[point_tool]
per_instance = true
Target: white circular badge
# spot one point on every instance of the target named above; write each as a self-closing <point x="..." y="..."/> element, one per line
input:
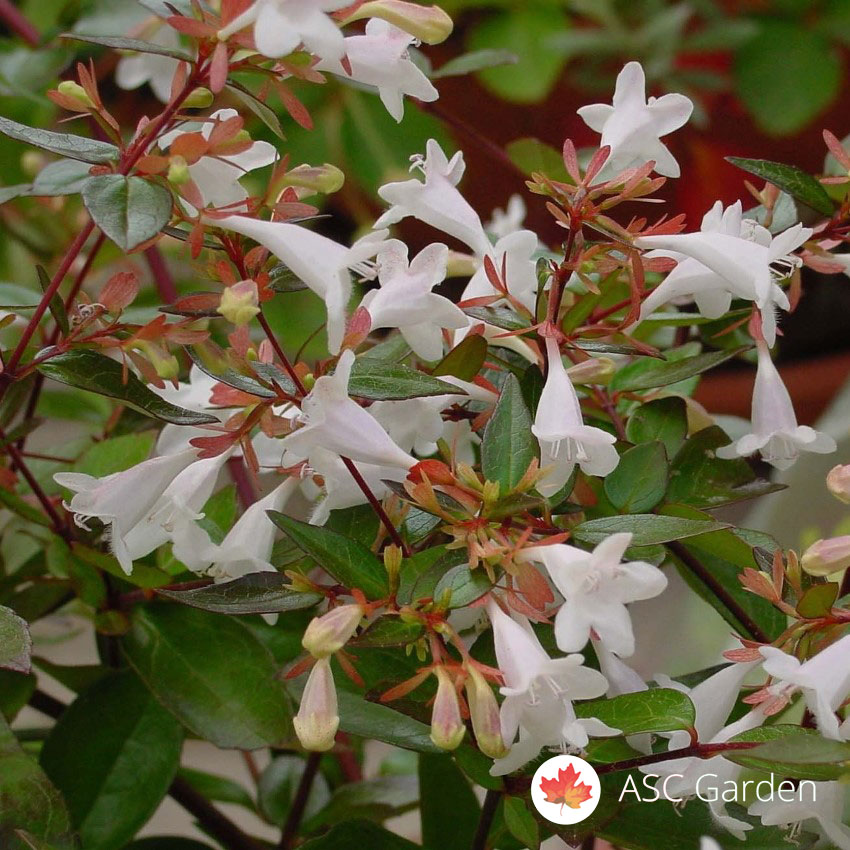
<point x="565" y="789"/>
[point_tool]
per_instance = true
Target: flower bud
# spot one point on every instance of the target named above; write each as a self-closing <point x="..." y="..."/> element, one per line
<point x="447" y="729"/>
<point x="484" y="713"/>
<point x="75" y="91"/>
<point x="240" y="302"/>
<point x="329" y="633"/>
<point x="393" y="557"/>
<point x="323" y="179"/>
<point x="596" y="370"/>
<point x="200" y="98"/>
<point x="178" y="171"/>
<point x="461" y="265"/>
<point x="317" y="719"/>
<point x="825" y="557"/>
<point x="427" y="23"/>
<point x="838" y="482"/>
<point x="32" y="162"/>
<point x="165" y="364"/>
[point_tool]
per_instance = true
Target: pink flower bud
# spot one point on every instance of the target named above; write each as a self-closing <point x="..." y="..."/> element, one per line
<point x="447" y="729"/>
<point x="329" y="633"/>
<point x="484" y="713"/>
<point x="838" y="482"/>
<point x="825" y="557"/>
<point x="317" y="719"/>
<point x="240" y="302"/>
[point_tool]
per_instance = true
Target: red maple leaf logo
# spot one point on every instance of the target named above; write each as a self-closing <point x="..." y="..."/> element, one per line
<point x="566" y="790"/>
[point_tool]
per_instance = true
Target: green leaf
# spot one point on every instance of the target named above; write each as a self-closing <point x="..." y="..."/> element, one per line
<point x="212" y="360"/>
<point x="211" y="673"/>
<point x="15" y="642"/>
<point x="115" y="454"/>
<point x="218" y="788"/>
<point x="134" y="44"/>
<point x="380" y="381"/>
<point x="648" y="373"/>
<point x="790" y="751"/>
<point x="389" y="631"/>
<point x="64" y="144"/>
<point x="264" y="112"/>
<point x="465" y="360"/>
<point x="255" y="593"/>
<point x="370" y="799"/>
<point x="818" y="600"/>
<point x="167" y="842"/>
<point x="654" y="710"/>
<point x="56" y="305"/>
<point x="464" y="584"/>
<point x="508" y="447"/>
<point x="92" y="371"/>
<point x="19" y="190"/>
<point x="129" y="210"/>
<point x="113" y="754"/>
<point x="639" y="480"/>
<point x="790" y="179"/>
<point x="786" y="76"/>
<point x="22" y="508"/>
<point x="647" y="529"/>
<point x="15" y="692"/>
<point x="64" y="177"/>
<point x="349" y="562"/>
<point x="443" y="788"/>
<point x="664" y="419"/>
<point x="699" y="478"/>
<point x="75" y="677"/>
<point x="476" y="60"/>
<point x="521" y="823"/>
<point x="533" y="156"/>
<point x="358" y="835"/>
<point x="28" y="800"/>
<point x="499" y="317"/>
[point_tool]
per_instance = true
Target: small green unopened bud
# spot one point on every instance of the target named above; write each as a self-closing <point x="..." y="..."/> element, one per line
<point x="165" y="365"/>
<point x="309" y="381"/>
<point x="178" y="171"/>
<point x="200" y="98"/>
<point x="318" y="716"/>
<point x="329" y="633"/>
<point x="825" y="557"/>
<point x="392" y="564"/>
<point x="467" y="475"/>
<point x="32" y="162"/>
<point x="596" y="370"/>
<point x="240" y="302"/>
<point x="484" y="713"/>
<point x="490" y="493"/>
<point x="322" y="179"/>
<point x="427" y="23"/>
<point x="461" y="265"/>
<point x="74" y="90"/>
<point x="447" y="729"/>
<point x="838" y="482"/>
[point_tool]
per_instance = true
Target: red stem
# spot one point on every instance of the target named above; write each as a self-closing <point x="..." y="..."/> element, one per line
<point x="162" y="276"/>
<point x="18" y="23"/>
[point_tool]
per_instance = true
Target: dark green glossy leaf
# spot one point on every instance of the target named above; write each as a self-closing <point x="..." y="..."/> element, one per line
<point x="359" y="835"/>
<point x="498" y="317"/>
<point x="647" y="529"/>
<point x="654" y="710"/>
<point x="521" y="823"/>
<point x="378" y="380"/>
<point x="211" y="673"/>
<point x="790" y="751"/>
<point x="92" y="371"/>
<point x="465" y="360"/>
<point x="389" y="631"/>
<point x="64" y="144"/>
<point x="790" y="179"/>
<point x="15" y="692"/>
<point x="255" y="593"/>
<point x="113" y="754"/>
<point x="122" y="43"/>
<point x="15" y="642"/>
<point x="278" y="785"/>
<point x="444" y="788"/>
<point x="349" y="562"/>
<point x="648" y="373"/>
<point x="56" y="305"/>
<point x="212" y="360"/>
<point x="464" y="585"/>
<point x="664" y="419"/>
<point x="371" y="799"/>
<point x="508" y="447"/>
<point x="476" y="60"/>
<point x="639" y="480"/>
<point x="217" y="788"/>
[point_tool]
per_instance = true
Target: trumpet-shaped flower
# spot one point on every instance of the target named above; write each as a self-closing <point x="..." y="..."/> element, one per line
<point x="776" y="434"/>
<point x="405" y="299"/>
<point x="751" y="262"/>
<point x="322" y="264"/>
<point x="122" y="500"/>
<point x="564" y="438"/>
<point x="484" y="714"/>
<point x="596" y="587"/>
<point x="281" y="25"/>
<point x="447" y="729"/>
<point x="632" y="127"/>
<point x="318" y="716"/>
<point x="334" y="422"/>
<point x="539" y="692"/>
<point x="217" y="177"/>
<point x="136" y="69"/>
<point x="380" y="59"/>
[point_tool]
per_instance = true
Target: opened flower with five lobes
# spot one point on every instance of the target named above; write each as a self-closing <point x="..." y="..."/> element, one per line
<point x="632" y="125"/>
<point x="596" y="587"/>
<point x="776" y="436"/>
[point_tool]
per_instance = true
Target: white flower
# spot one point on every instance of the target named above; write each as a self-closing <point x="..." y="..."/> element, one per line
<point x="632" y="127"/>
<point x="507" y="220"/>
<point x="596" y="587"/>
<point x="322" y="264"/>
<point x="564" y="438"/>
<point x="281" y="25"/>
<point x="751" y="262"/>
<point x="538" y="692"/>
<point x="776" y="435"/>
<point x="318" y="716"/>
<point x="333" y="421"/>
<point x="380" y="59"/>
<point x="405" y="299"/>
<point x="122" y="500"/>
<point x="824" y="680"/>
<point x="436" y="201"/>
<point x="217" y="177"/>
<point x="822" y="802"/>
<point x="192" y="395"/>
<point x="139" y="68"/>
